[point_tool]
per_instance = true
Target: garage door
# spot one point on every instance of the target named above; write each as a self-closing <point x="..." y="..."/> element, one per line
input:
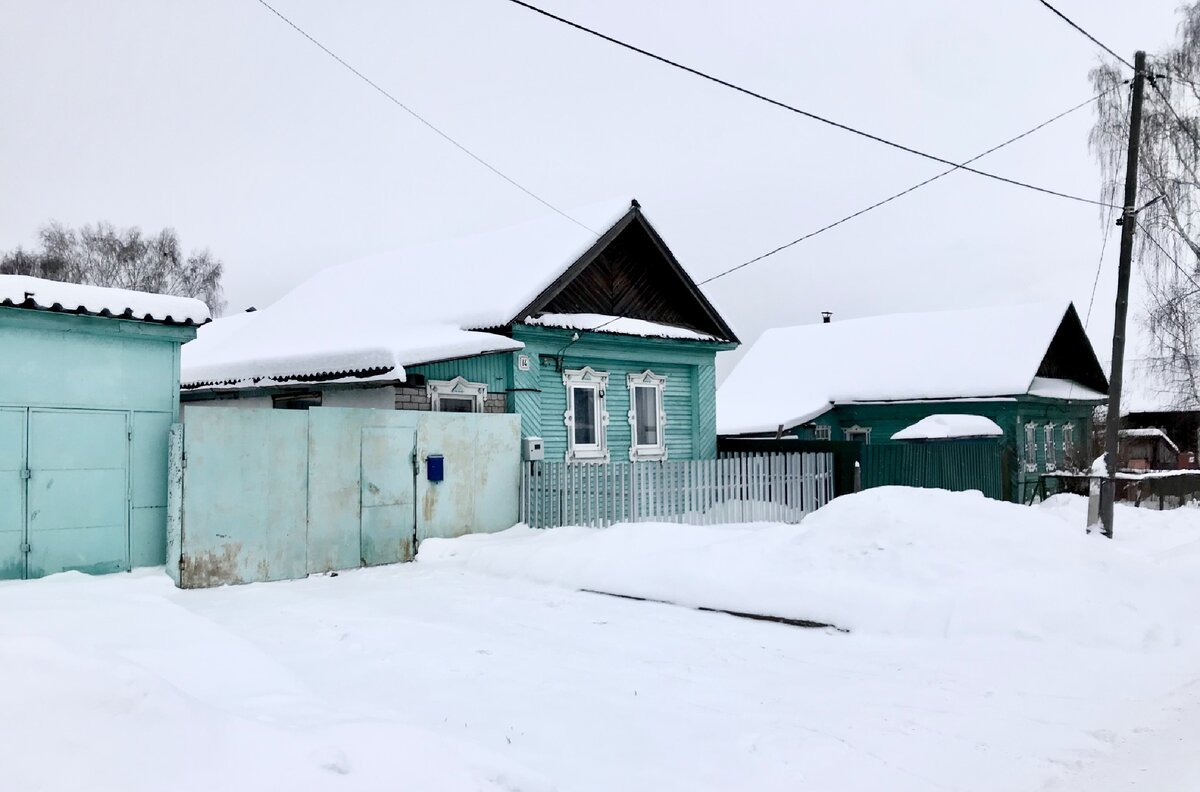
<point x="12" y="494"/>
<point x="78" y="492"/>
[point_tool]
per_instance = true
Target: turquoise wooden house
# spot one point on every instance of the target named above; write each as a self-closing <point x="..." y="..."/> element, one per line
<point x="1028" y="369"/>
<point x="591" y="331"/>
<point x="89" y="390"/>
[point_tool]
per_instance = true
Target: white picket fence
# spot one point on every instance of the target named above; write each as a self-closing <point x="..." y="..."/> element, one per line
<point x="735" y="488"/>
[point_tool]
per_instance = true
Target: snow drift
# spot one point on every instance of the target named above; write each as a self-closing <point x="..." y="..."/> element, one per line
<point x="891" y="560"/>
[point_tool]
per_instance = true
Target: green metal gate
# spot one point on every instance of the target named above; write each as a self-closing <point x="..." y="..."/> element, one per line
<point x="64" y="492"/>
<point x="388" y="519"/>
<point x="12" y="494"/>
<point x="77" y="492"/>
<point x="950" y="465"/>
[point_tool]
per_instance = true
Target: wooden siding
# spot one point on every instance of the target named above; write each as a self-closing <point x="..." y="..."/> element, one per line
<point x="491" y="370"/>
<point x="689" y="396"/>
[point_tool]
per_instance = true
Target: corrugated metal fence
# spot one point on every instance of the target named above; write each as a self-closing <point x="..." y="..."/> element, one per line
<point x="737" y="487"/>
<point x="952" y="466"/>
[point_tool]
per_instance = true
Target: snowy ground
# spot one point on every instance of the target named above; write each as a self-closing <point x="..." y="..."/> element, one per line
<point x="978" y="659"/>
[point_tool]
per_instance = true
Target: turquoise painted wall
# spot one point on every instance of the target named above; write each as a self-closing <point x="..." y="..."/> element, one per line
<point x="538" y="396"/>
<point x="689" y="396"/>
<point x="492" y="370"/>
<point x="276" y="494"/>
<point x="87" y="375"/>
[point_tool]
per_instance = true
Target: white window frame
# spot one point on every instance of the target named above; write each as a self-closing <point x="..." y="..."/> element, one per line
<point x="1030" y="447"/>
<point x="586" y="377"/>
<point x="1068" y="442"/>
<point x="459" y="388"/>
<point x="822" y="432"/>
<point x="656" y="451"/>
<point x="1048" y="444"/>
<point x="849" y="432"/>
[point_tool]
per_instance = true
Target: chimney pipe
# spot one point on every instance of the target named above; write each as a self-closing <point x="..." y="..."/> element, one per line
<point x="826" y="317"/>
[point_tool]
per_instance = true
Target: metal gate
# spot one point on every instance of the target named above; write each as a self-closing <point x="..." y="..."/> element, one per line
<point x="260" y="495"/>
<point x="64" y="492"/>
<point x="388" y="520"/>
<point x="12" y="494"/>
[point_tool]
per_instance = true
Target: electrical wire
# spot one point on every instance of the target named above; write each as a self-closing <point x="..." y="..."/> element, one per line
<point x="904" y="192"/>
<point x="1089" y="36"/>
<point x="1096" y="281"/>
<point x="792" y="108"/>
<point x="429" y="124"/>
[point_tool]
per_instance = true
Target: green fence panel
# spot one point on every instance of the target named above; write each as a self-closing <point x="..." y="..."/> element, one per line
<point x="956" y="466"/>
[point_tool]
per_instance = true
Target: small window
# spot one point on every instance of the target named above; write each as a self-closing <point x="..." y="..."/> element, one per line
<point x="586" y="416"/>
<point x="457" y="395"/>
<point x="1051" y="451"/>
<point x="1068" y="442"/>
<point x="822" y="432"/>
<point x="860" y="434"/>
<point x="1031" y="448"/>
<point x="583" y="403"/>
<point x="296" y="401"/>
<point x="647" y="416"/>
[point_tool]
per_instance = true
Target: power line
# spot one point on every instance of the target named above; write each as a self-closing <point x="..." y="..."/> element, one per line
<point x="797" y="110"/>
<point x="1089" y="36"/>
<point x="902" y="193"/>
<point x="429" y="124"/>
<point x="1096" y="281"/>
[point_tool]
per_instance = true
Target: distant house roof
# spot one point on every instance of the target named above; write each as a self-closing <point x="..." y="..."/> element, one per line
<point x="950" y="426"/>
<point x="793" y="374"/>
<point x="436" y="302"/>
<point x="23" y="291"/>
<point x="1150" y="433"/>
<point x="1145" y="390"/>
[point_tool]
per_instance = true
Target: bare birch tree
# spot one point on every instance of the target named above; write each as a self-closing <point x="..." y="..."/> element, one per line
<point x="125" y="258"/>
<point x="1167" y="243"/>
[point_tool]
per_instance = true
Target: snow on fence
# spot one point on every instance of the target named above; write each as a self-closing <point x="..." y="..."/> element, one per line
<point x="737" y="487"/>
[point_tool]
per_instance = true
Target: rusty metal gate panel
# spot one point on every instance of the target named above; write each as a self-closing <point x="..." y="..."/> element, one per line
<point x="388" y="519"/>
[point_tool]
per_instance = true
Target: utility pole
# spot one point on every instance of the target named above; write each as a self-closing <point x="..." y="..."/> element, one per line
<point x="1128" y="221"/>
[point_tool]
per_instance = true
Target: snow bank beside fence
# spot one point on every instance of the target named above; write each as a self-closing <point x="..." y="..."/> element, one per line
<point x="891" y="560"/>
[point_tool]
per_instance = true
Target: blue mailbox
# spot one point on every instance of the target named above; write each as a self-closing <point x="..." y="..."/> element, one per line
<point x="434" y="467"/>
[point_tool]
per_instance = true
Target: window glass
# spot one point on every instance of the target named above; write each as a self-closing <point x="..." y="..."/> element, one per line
<point x="583" y="402"/>
<point x="456" y="404"/>
<point x="296" y="401"/>
<point x="646" y="409"/>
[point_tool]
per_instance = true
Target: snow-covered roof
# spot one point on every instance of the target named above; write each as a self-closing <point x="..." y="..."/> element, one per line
<point x="417" y="305"/>
<point x="23" y="291"/>
<point x="253" y="346"/>
<point x="950" y="426"/>
<point x="617" y="324"/>
<point x="1150" y="433"/>
<point x="790" y="375"/>
<point x="1054" y="388"/>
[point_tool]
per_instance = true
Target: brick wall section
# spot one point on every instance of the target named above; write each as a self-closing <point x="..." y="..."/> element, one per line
<point x="412" y="399"/>
<point x="418" y="399"/>
<point x="495" y="403"/>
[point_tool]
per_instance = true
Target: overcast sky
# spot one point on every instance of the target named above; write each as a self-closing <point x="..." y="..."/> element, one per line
<point x="215" y="118"/>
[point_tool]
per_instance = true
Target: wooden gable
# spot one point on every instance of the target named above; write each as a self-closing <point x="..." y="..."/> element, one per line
<point x="630" y="272"/>
<point x="1070" y="355"/>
